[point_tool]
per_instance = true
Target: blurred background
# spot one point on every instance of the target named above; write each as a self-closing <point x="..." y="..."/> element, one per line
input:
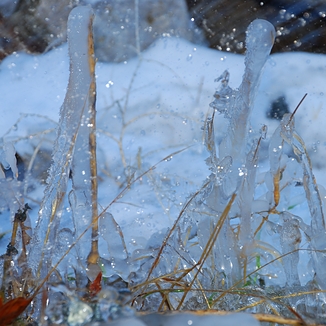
<point x="37" y="25"/>
<point x="300" y="25"/>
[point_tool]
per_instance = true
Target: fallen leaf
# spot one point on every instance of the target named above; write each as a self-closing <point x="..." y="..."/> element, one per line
<point x="95" y="287"/>
<point x="12" y="309"/>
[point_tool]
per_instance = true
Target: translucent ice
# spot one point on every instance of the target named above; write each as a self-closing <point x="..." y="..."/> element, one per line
<point x="318" y="233"/>
<point x="224" y="96"/>
<point x="246" y="194"/>
<point x="72" y="115"/>
<point x="259" y="41"/>
<point x="117" y="263"/>
<point x="8" y="158"/>
<point x="290" y="238"/>
<point x="234" y="166"/>
<point x="112" y="234"/>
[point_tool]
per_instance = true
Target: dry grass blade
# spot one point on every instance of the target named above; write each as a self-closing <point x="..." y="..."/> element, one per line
<point x="209" y="246"/>
<point x="157" y="259"/>
<point x="120" y="195"/>
<point x="297" y="107"/>
<point x="281" y="320"/>
<point x="94" y="254"/>
<point x="275" y="299"/>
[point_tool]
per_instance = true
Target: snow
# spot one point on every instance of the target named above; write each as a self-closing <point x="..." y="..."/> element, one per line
<point x="148" y="108"/>
<point x="173" y="74"/>
<point x="186" y="319"/>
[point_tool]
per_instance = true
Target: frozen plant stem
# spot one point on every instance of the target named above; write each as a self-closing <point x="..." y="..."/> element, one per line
<point x="234" y="171"/>
<point x="74" y="149"/>
<point x="84" y="170"/>
<point x="259" y="41"/>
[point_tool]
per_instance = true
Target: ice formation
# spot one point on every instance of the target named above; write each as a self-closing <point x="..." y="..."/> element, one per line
<point x="259" y="42"/>
<point x="235" y="239"/>
<point x="71" y="144"/>
<point x="218" y="233"/>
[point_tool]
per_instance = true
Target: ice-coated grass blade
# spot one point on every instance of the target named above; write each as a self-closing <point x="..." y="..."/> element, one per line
<point x="72" y="114"/>
<point x="209" y="246"/>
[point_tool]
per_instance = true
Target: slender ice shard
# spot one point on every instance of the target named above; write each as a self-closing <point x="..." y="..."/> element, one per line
<point x="318" y="232"/>
<point x="84" y="169"/>
<point x="72" y="116"/>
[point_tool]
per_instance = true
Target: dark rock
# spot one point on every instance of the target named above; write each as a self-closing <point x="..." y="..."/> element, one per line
<point x="36" y="25"/>
<point x="278" y="108"/>
<point x="300" y="25"/>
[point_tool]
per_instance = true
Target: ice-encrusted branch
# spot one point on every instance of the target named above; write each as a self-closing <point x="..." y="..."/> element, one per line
<point x="73" y="115"/>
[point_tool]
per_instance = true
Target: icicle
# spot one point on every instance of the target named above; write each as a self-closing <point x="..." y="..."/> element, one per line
<point x="259" y="41"/>
<point x="234" y="171"/>
<point x="72" y="114"/>
<point x="84" y="172"/>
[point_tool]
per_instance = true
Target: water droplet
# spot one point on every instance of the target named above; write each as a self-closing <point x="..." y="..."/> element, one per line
<point x="109" y="84"/>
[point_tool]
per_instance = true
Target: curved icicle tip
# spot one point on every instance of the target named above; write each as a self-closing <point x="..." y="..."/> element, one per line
<point x="260" y="33"/>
